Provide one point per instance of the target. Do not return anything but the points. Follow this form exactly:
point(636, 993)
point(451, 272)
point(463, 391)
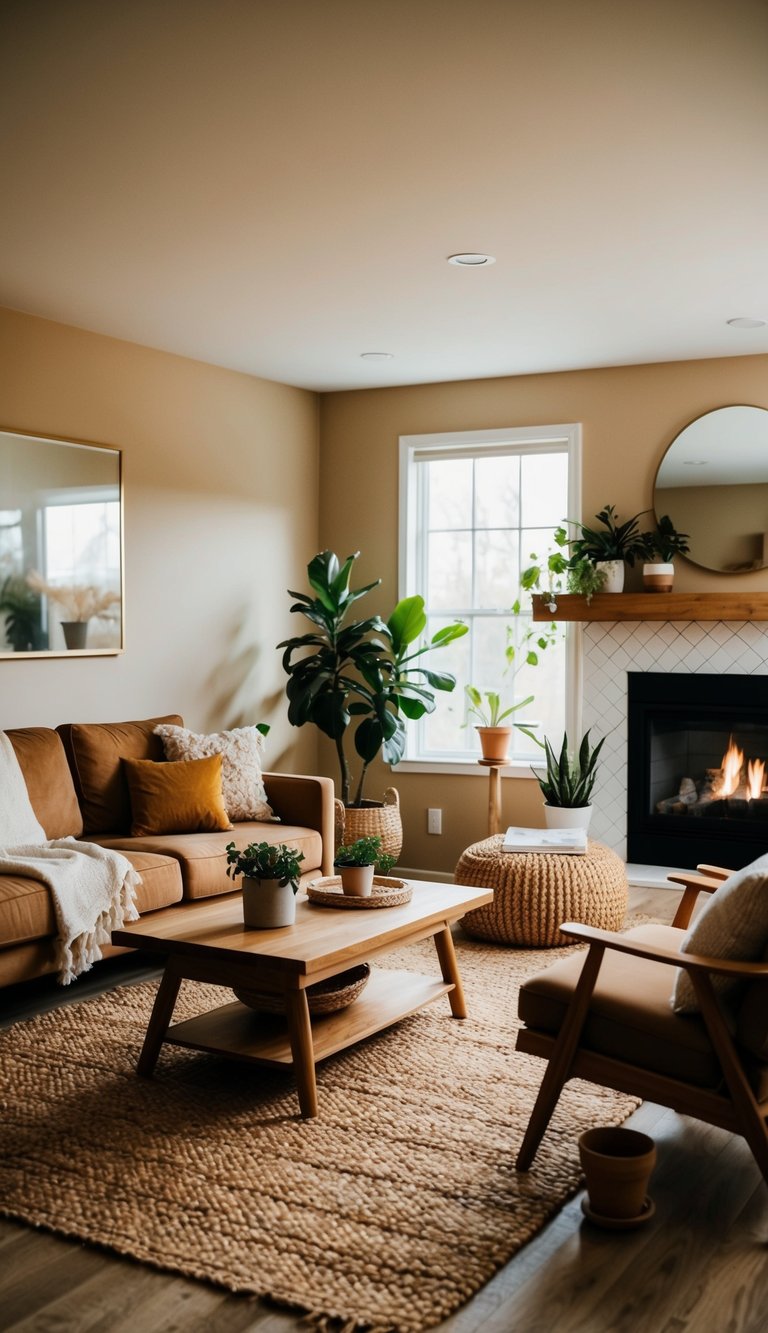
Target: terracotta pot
point(615, 571)
point(371, 819)
point(495, 743)
point(567, 816)
point(658, 576)
point(356, 881)
point(617, 1164)
point(267, 904)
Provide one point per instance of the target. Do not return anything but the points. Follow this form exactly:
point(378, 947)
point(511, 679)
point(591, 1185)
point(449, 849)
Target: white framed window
point(475, 506)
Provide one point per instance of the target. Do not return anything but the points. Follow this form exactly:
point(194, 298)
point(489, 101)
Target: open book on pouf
point(565, 841)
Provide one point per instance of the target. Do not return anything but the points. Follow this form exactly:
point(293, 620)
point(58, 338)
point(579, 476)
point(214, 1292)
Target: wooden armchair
point(606, 1017)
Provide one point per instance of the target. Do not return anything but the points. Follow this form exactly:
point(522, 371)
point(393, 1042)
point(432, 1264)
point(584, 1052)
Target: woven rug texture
point(387, 1211)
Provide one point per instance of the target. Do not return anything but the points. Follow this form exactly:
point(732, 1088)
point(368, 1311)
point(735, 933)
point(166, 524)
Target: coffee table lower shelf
point(245, 1034)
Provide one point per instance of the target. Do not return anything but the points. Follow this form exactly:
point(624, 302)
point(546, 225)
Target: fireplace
point(697, 761)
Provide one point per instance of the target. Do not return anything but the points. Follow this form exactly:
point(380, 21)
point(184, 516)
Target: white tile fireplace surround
point(611, 649)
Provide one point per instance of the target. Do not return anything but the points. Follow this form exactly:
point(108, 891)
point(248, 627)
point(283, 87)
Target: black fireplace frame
point(650, 840)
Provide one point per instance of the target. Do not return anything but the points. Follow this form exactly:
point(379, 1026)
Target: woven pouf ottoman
point(534, 892)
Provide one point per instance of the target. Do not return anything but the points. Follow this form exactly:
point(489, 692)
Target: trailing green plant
point(569, 782)
point(491, 714)
point(665, 542)
point(265, 860)
point(585, 578)
point(23, 615)
point(362, 669)
point(365, 852)
point(612, 540)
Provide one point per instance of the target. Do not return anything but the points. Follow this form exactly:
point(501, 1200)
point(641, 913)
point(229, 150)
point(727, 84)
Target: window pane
point(450, 493)
point(497, 492)
point(544, 489)
point(443, 729)
point(449, 570)
point(497, 569)
point(489, 663)
point(546, 683)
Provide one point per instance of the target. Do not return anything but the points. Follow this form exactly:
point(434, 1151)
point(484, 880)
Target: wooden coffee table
point(208, 942)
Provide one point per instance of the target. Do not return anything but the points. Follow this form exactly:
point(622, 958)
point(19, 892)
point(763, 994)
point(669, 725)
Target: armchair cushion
point(732, 924)
point(629, 1016)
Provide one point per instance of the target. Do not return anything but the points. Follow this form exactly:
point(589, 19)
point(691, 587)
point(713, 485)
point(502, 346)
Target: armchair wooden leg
point(745, 1104)
point(561, 1059)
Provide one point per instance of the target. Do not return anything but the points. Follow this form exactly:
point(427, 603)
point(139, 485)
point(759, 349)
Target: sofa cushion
point(94, 751)
point(732, 924)
point(176, 798)
point(630, 1017)
point(49, 782)
point(240, 750)
point(26, 906)
point(203, 858)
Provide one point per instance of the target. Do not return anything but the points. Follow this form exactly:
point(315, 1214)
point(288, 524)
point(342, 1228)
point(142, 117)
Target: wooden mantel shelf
point(654, 606)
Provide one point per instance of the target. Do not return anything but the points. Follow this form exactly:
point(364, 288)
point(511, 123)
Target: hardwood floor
point(700, 1266)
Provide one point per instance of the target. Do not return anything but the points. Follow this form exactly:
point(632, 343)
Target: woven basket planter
point(371, 819)
point(324, 997)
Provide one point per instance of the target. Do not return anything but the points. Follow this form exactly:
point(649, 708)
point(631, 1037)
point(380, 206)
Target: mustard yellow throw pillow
point(182, 797)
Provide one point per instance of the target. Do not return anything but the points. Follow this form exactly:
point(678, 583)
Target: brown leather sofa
point(77, 789)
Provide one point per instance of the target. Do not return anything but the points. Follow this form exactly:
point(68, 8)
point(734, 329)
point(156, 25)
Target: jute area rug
point(386, 1212)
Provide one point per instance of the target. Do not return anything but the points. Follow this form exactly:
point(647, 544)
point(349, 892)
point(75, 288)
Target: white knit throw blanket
point(93, 888)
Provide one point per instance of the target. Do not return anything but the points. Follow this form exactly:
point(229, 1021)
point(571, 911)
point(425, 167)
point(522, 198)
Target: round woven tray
point(324, 997)
point(386, 892)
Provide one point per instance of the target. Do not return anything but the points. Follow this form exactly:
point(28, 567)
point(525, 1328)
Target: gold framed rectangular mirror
point(61, 547)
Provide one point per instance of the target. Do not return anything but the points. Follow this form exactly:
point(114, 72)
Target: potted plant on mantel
point(665, 543)
point(357, 863)
point(568, 785)
point(611, 546)
point(366, 670)
point(494, 738)
point(271, 873)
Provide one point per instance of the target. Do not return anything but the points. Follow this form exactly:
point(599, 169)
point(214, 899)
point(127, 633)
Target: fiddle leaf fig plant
point(360, 669)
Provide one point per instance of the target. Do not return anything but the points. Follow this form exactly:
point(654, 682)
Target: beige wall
point(629, 416)
point(221, 478)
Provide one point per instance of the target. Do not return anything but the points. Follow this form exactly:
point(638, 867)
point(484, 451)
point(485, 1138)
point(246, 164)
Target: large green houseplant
point(360, 676)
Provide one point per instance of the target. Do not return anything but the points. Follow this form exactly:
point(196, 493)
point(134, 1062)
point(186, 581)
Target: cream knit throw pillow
point(733, 924)
point(241, 782)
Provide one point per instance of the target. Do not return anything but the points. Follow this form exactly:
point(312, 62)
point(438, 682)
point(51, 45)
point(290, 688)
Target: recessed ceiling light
point(377, 356)
point(694, 462)
point(744, 322)
point(471, 260)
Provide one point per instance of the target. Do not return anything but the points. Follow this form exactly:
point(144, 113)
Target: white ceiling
point(275, 185)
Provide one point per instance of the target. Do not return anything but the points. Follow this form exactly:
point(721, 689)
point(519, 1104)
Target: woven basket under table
point(535, 892)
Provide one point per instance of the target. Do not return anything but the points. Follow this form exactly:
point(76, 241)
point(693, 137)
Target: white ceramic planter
point(567, 816)
point(268, 904)
point(356, 881)
point(658, 576)
point(614, 570)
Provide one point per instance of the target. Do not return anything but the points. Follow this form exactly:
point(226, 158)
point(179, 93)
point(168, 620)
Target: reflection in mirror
point(61, 584)
point(713, 483)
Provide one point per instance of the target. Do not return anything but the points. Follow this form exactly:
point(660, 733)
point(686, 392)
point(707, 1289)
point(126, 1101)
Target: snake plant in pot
point(361, 677)
point(569, 782)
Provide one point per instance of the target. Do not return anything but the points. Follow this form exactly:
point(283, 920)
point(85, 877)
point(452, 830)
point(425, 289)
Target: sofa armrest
point(307, 801)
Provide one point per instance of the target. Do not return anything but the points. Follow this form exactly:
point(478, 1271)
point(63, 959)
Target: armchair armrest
point(691, 962)
point(307, 801)
point(694, 885)
point(715, 872)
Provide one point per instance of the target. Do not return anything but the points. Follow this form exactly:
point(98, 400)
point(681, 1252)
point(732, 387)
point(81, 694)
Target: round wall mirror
point(713, 484)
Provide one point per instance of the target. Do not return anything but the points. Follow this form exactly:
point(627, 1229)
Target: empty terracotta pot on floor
point(617, 1164)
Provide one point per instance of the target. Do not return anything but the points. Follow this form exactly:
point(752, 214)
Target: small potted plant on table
point(568, 785)
point(357, 862)
point(271, 874)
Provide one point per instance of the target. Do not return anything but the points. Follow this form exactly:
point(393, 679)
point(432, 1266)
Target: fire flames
point(755, 779)
point(731, 766)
